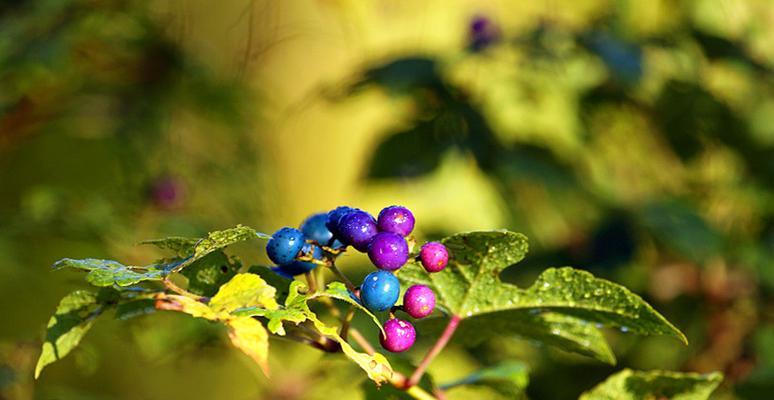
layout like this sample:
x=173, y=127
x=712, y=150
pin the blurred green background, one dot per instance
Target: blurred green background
x=634, y=139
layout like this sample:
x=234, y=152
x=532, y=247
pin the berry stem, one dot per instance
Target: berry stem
x=398, y=380
x=311, y=281
x=345, y=322
x=343, y=278
x=419, y=393
x=437, y=347
x=361, y=341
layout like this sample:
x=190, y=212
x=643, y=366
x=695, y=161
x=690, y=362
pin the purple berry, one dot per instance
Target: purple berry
x=400, y=335
x=433, y=256
x=419, y=301
x=388, y=251
x=357, y=228
x=333, y=218
x=396, y=219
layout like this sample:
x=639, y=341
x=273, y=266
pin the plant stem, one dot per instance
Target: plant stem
x=437, y=347
x=361, y=341
x=343, y=278
x=177, y=289
x=311, y=281
x=419, y=393
x=345, y=322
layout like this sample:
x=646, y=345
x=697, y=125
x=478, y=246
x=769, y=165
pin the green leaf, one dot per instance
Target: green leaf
x=335, y=290
x=135, y=308
x=339, y=291
x=206, y=275
x=470, y=287
x=579, y=293
x=655, y=385
x=200, y=247
x=509, y=378
x=73, y=318
x=275, y=317
x=109, y=272
x=470, y=284
x=183, y=246
x=220, y=239
x=561, y=331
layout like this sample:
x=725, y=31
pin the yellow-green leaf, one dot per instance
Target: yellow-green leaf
x=243, y=290
x=248, y=335
x=73, y=318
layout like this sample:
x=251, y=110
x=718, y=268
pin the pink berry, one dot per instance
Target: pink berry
x=400, y=335
x=419, y=301
x=434, y=256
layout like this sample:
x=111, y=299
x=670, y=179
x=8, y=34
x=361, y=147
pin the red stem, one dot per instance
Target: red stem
x=437, y=347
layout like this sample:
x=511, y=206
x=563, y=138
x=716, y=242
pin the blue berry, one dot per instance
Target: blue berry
x=284, y=245
x=297, y=267
x=396, y=219
x=388, y=251
x=379, y=291
x=283, y=272
x=314, y=228
x=357, y=228
x=333, y=218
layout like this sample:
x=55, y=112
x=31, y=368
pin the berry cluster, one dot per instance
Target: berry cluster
x=385, y=240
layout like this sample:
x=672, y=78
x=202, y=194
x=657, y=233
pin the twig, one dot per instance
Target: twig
x=177, y=289
x=437, y=347
x=361, y=341
x=345, y=322
x=419, y=393
x=343, y=278
x=311, y=281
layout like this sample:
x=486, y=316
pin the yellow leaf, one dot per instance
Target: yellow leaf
x=248, y=335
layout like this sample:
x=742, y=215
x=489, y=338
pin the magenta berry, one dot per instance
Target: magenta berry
x=419, y=301
x=357, y=228
x=388, y=251
x=396, y=219
x=433, y=256
x=400, y=335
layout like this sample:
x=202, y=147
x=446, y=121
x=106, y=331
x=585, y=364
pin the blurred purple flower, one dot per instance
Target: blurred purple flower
x=167, y=193
x=483, y=32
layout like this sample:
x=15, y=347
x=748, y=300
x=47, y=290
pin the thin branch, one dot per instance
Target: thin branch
x=361, y=341
x=172, y=286
x=343, y=278
x=419, y=393
x=437, y=347
x=345, y=322
x=311, y=281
